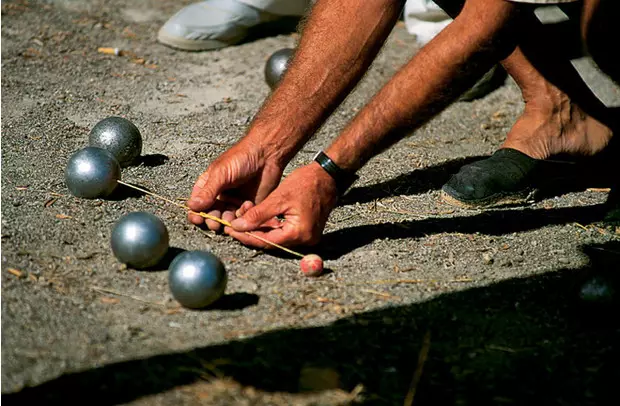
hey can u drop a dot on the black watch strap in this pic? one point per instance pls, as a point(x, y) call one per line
point(343, 179)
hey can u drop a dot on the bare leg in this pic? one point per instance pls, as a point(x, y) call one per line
point(551, 123)
point(561, 115)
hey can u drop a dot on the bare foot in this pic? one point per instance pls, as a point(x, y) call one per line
point(552, 124)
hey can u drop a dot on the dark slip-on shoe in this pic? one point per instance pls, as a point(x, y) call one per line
point(506, 177)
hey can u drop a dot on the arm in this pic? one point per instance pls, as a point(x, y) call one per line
point(439, 73)
point(451, 62)
point(340, 40)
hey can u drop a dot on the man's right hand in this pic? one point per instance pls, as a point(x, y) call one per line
point(244, 172)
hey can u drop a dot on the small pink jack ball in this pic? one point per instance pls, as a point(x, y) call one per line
point(311, 265)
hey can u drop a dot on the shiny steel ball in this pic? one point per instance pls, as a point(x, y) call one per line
point(119, 136)
point(92, 173)
point(139, 239)
point(197, 279)
point(597, 290)
point(276, 66)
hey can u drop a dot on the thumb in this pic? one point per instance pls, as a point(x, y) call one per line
point(257, 215)
point(205, 191)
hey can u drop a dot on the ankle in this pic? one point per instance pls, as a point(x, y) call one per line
point(546, 100)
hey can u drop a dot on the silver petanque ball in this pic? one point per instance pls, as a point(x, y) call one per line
point(276, 66)
point(92, 173)
point(597, 290)
point(139, 239)
point(197, 279)
point(119, 136)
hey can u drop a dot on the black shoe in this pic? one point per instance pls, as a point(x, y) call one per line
point(507, 177)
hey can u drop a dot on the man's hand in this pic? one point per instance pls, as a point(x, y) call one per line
point(244, 172)
point(304, 201)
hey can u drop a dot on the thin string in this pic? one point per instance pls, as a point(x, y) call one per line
point(210, 217)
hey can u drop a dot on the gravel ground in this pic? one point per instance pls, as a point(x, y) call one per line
point(489, 297)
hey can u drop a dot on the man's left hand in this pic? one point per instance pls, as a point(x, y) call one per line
point(303, 202)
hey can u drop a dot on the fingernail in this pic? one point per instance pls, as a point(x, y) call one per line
point(239, 224)
point(196, 201)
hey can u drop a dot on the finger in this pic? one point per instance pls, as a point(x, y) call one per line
point(205, 191)
point(271, 223)
point(195, 218)
point(212, 224)
point(230, 198)
point(247, 205)
point(228, 216)
point(258, 215)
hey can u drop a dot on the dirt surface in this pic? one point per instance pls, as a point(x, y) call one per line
point(490, 296)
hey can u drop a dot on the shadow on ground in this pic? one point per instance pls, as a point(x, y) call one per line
point(553, 178)
point(414, 182)
point(491, 222)
point(521, 341)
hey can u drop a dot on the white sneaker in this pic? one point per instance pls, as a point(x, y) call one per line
point(424, 19)
point(211, 24)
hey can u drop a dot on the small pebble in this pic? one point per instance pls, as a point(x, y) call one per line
point(487, 258)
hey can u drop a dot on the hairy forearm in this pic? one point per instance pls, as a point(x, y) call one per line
point(339, 42)
point(429, 82)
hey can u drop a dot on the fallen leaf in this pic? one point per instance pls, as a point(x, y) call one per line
point(380, 294)
point(31, 53)
point(63, 216)
point(15, 272)
point(109, 300)
point(50, 202)
point(173, 310)
point(203, 395)
point(129, 33)
point(499, 114)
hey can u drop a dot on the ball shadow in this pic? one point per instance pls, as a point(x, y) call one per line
point(234, 301)
point(164, 264)
point(151, 160)
point(123, 192)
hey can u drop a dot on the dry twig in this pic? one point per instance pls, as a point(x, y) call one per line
point(426, 344)
point(117, 293)
point(210, 217)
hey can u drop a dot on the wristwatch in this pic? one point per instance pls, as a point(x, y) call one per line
point(343, 179)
